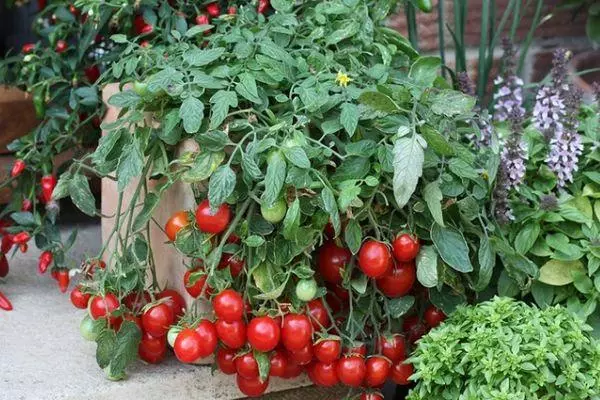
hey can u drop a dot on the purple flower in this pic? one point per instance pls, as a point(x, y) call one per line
point(513, 158)
point(548, 112)
point(502, 209)
point(508, 98)
point(486, 129)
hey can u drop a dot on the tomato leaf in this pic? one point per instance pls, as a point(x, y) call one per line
point(379, 101)
point(221, 101)
point(274, 179)
point(264, 364)
point(353, 236)
point(141, 219)
point(191, 112)
point(408, 168)
point(452, 248)
point(291, 222)
point(221, 186)
point(330, 206)
point(433, 197)
point(106, 341)
point(427, 273)
point(349, 118)
point(81, 194)
point(297, 156)
point(400, 306)
point(130, 165)
point(451, 102)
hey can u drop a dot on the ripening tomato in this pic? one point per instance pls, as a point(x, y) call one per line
point(61, 46)
point(322, 374)
point(279, 363)
point(318, 315)
point(306, 289)
point(226, 361)
point(246, 365)
point(374, 259)
point(188, 346)
point(86, 328)
point(103, 306)
point(80, 299)
point(208, 337)
point(393, 347)
point(399, 281)
point(304, 356)
point(263, 333)
point(406, 247)
point(413, 328)
point(174, 300)
point(213, 9)
point(136, 300)
point(296, 331)
point(202, 19)
point(210, 222)
point(232, 334)
point(378, 370)
point(232, 10)
point(177, 222)
point(292, 369)
point(228, 305)
point(434, 316)
point(332, 261)
point(151, 349)
point(235, 264)
point(371, 396)
point(401, 373)
point(157, 320)
point(253, 387)
point(195, 289)
point(327, 350)
point(351, 370)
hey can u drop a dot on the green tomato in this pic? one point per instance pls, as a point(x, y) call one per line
point(86, 327)
point(275, 213)
point(172, 335)
point(306, 289)
point(425, 5)
point(140, 88)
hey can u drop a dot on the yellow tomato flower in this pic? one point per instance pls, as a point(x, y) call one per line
point(342, 79)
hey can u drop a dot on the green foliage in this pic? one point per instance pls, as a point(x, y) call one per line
point(504, 349)
point(559, 231)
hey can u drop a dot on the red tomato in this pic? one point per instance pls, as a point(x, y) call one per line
point(263, 6)
point(304, 356)
point(252, 387)
point(202, 19)
point(226, 361)
point(401, 372)
point(136, 300)
point(434, 316)
point(228, 305)
point(359, 349)
point(322, 374)
point(195, 289)
point(296, 331)
point(103, 306)
point(62, 276)
point(213, 9)
point(246, 366)
point(210, 222)
point(151, 349)
point(235, 264)
point(28, 48)
point(61, 46)
point(378, 370)
point(371, 396)
point(406, 247)
point(332, 260)
point(232, 10)
point(392, 347)
point(208, 337)
point(351, 370)
point(399, 281)
point(232, 334)
point(328, 350)
point(279, 363)
point(92, 73)
point(318, 315)
point(374, 259)
point(157, 320)
point(413, 328)
point(175, 302)
point(292, 369)
point(263, 334)
point(147, 29)
point(178, 221)
point(188, 346)
point(80, 299)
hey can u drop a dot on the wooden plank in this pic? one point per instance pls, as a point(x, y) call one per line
point(17, 115)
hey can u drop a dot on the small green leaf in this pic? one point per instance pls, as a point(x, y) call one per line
point(408, 168)
point(81, 194)
point(247, 88)
point(297, 156)
point(264, 364)
point(353, 236)
point(360, 283)
point(191, 112)
point(452, 248)
point(198, 57)
point(527, 237)
point(221, 102)
point(424, 71)
point(487, 261)
point(433, 197)
point(140, 249)
point(291, 222)
point(450, 103)
point(400, 306)
point(349, 118)
point(128, 98)
point(274, 179)
point(379, 101)
point(427, 273)
point(221, 186)
point(436, 141)
point(131, 164)
point(330, 206)
point(254, 241)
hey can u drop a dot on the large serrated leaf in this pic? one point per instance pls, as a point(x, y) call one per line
point(452, 248)
point(221, 185)
point(433, 197)
point(191, 112)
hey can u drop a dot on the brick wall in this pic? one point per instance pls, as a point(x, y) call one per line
point(560, 29)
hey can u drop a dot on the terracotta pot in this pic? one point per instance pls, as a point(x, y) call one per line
point(589, 60)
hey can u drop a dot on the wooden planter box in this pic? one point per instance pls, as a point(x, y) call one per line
point(170, 266)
